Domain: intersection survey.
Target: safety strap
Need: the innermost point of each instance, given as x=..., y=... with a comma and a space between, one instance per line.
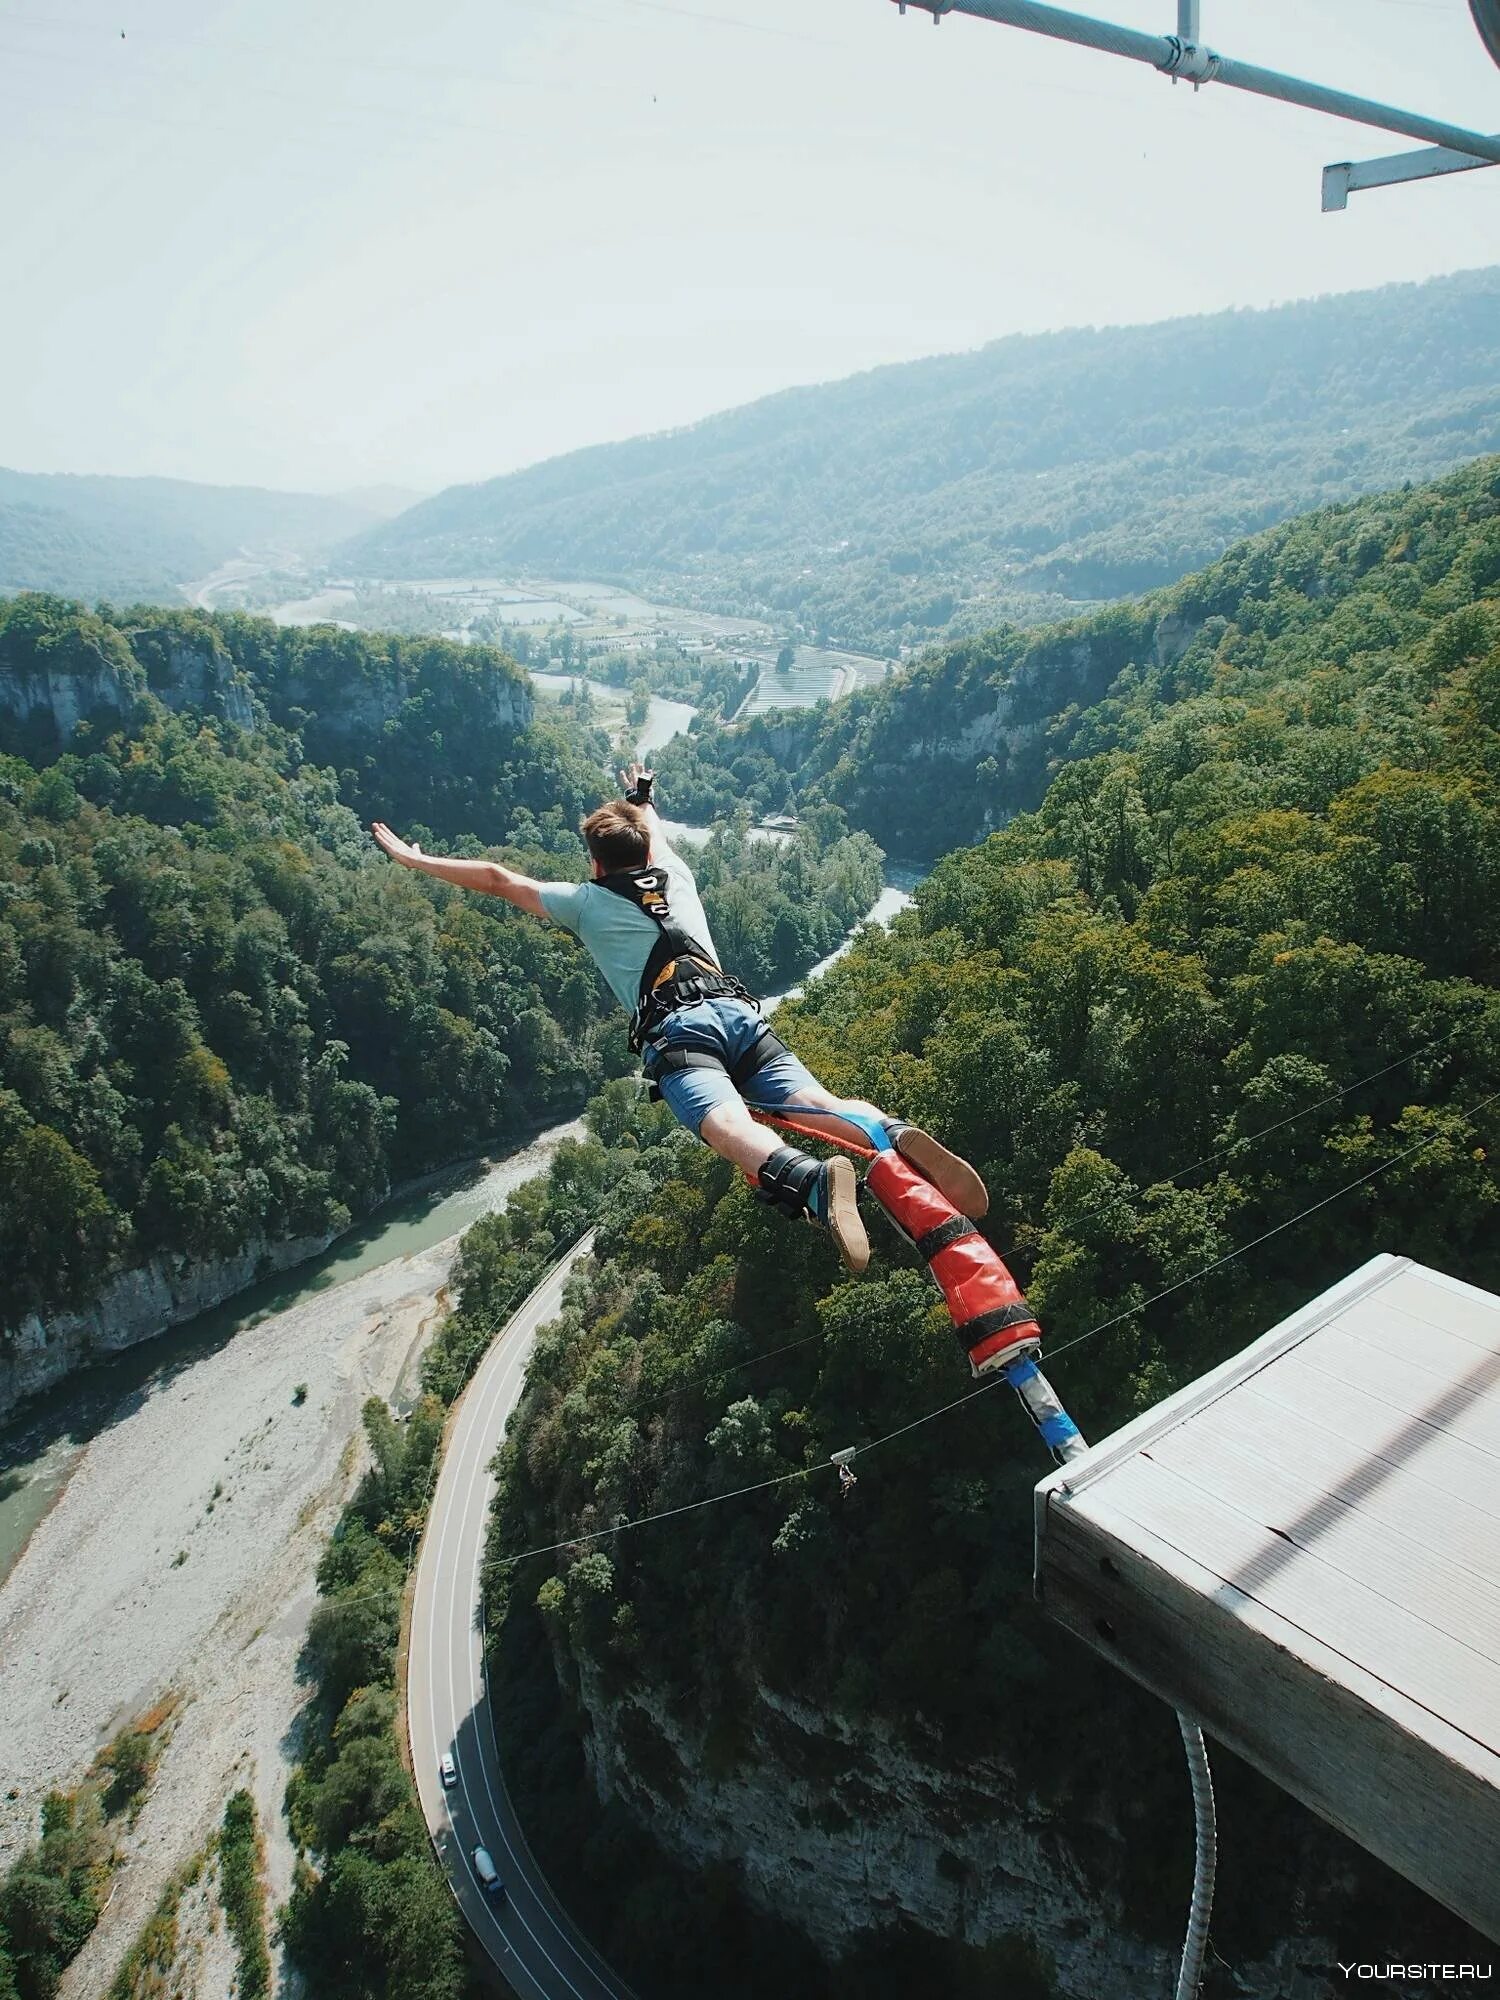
x=679, y=971
x=804, y=1130
x=938, y=1238
x=666, y=1061
x=982, y=1325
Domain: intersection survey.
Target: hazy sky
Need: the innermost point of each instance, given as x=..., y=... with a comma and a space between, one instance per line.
x=317, y=245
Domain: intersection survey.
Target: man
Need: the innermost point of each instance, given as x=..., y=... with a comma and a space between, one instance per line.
x=700, y=1036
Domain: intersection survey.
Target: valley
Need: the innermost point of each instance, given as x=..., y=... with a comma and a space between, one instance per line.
x=1185, y=736
x=560, y=625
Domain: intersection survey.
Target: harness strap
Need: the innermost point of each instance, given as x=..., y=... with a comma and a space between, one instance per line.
x=667, y=1061
x=763, y=1050
x=938, y=1238
x=982, y=1325
x=679, y=971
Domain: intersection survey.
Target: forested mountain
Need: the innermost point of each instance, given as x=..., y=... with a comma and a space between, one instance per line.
x=971, y=734
x=1252, y=924
x=225, y=1019
x=946, y=494
x=96, y=537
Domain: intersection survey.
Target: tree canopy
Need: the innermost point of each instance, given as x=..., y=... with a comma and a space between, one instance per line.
x=1235, y=970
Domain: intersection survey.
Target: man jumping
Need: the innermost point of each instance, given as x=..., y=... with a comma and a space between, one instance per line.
x=700, y=1035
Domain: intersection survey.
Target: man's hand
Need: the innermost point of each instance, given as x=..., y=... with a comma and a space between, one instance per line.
x=487, y=878
x=636, y=782
x=410, y=856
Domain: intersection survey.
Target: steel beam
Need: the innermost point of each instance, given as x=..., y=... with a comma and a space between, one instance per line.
x=1178, y=58
x=1348, y=177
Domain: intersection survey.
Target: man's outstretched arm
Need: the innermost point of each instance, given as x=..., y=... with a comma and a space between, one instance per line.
x=490, y=878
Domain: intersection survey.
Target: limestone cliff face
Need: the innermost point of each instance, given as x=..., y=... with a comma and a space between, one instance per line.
x=105, y=679
x=194, y=678
x=133, y=1307
x=952, y=755
x=485, y=697
x=840, y=1828
x=69, y=692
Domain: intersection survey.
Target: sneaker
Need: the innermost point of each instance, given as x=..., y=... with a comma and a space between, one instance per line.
x=833, y=1202
x=823, y=1191
x=950, y=1175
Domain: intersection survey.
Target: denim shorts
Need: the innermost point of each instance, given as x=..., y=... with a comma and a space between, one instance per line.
x=726, y=1029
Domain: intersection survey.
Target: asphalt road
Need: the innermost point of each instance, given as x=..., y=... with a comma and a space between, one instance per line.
x=526, y=1932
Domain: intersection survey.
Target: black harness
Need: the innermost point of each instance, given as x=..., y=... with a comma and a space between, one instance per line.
x=679, y=973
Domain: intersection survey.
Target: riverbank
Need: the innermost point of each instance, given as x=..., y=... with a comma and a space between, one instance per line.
x=181, y=1557
x=181, y=1550
x=40, y=1440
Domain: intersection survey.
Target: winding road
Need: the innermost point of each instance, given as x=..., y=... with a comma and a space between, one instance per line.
x=526, y=1932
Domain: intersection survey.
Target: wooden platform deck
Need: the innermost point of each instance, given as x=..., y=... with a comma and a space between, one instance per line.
x=1302, y=1550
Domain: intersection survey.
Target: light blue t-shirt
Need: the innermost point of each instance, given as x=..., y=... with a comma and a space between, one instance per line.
x=619, y=937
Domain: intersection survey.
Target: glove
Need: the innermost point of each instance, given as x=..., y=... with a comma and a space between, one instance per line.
x=640, y=792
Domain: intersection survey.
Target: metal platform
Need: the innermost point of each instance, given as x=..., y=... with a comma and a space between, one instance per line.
x=1302, y=1549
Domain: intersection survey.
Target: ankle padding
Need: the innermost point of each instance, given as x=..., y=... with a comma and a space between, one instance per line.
x=786, y=1180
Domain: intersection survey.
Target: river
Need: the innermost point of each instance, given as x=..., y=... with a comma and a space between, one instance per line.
x=41, y=1447
x=895, y=897
x=664, y=719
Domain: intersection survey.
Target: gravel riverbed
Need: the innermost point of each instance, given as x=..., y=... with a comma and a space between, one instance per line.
x=140, y=1582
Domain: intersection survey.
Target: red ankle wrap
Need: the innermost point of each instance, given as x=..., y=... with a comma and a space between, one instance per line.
x=991, y=1318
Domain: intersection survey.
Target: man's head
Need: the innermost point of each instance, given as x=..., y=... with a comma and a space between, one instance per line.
x=618, y=837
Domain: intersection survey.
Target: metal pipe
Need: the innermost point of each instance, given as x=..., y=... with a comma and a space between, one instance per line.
x=1166, y=53
x=1346, y=177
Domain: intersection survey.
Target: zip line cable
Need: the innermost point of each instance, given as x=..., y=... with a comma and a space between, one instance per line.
x=1265, y=1237
x=667, y=1513
x=1253, y=1138
x=646, y=1406
x=973, y=1395
x=1243, y=1146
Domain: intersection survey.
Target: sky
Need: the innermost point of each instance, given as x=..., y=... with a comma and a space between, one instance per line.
x=316, y=247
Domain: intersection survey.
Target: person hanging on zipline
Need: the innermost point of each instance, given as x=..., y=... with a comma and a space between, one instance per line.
x=698, y=1031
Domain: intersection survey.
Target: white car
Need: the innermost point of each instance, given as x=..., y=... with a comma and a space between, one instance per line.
x=447, y=1770
x=488, y=1873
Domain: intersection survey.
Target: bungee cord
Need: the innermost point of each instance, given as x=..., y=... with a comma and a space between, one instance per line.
x=973, y=1394
x=590, y=1535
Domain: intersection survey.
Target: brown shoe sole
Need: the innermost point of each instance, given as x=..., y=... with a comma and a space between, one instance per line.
x=948, y=1173
x=844, y=1223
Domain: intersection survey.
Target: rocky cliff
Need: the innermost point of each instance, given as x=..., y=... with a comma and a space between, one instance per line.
x=46, y=693
x=955, y=749
x=193, y=677
x=843, y=1829
x=346, y=707
x=137, y=1305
